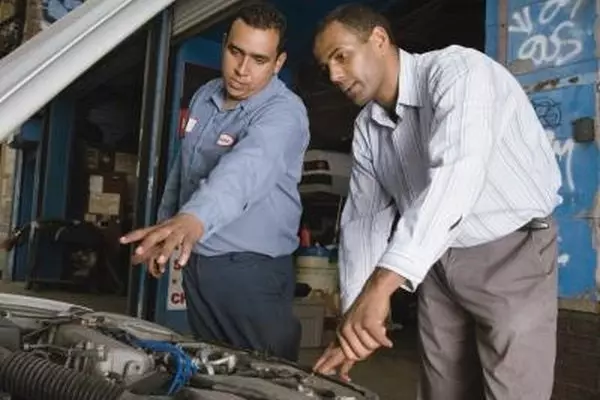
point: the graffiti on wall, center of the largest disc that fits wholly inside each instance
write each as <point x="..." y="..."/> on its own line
<point x="550" y="115"/>
<point x="548" y="33"/>
<point x="549" y="112"/>
<point x="554" y="40"/>
<point x="53" y="10"/>
<point x="563" y="149"/>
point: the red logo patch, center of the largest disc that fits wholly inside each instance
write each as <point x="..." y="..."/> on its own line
<point x="225" y="140"/>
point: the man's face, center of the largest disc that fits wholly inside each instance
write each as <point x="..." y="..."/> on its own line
<point x="354" y="64"/>
<point x="249" y="59"/>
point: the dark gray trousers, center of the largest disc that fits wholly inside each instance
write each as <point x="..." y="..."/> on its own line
<point x="244" y="300"/>
<point x="487" y="320"/>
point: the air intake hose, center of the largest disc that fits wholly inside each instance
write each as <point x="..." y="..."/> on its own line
<point x="26" y="376"/>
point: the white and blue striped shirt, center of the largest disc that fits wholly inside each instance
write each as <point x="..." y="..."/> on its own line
<point x="466" y="162"/>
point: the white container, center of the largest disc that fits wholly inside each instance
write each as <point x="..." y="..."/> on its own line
<point x="335" y="167"/>
<point x="314" y="269"/>
<point x="311" y="314"/>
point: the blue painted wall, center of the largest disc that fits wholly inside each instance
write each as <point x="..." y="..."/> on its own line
<point x="551" y="47"/>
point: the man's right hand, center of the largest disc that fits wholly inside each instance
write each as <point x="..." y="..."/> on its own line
<point x="334" y="362"/>
<point x="161" y="241"/>
<point x="155" y="269"/>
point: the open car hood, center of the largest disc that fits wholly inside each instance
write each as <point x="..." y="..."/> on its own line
<point x="117" y="357"/>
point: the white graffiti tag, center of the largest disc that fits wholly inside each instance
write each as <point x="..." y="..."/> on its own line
<point x="564" y="152"/>
<point x="560" y="45"/>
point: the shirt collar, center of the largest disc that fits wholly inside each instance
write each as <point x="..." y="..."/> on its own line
<point x="253" y="101"/>
<point x="408" y="90"/>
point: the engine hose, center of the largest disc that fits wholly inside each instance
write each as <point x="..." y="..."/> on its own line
<point x="29" y="377"/>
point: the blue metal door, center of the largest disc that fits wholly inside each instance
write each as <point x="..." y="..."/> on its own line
<point x="551" y="47"/>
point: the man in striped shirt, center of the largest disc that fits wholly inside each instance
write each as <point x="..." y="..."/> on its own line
<point x="449" y="141"/>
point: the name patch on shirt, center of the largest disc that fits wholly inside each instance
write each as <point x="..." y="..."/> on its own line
<point x="225" y="140"/>
<point x="190" y="125"/>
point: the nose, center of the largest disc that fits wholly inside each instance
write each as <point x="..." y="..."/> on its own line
<point x="336" y="74"/>
<point x="242" y="67"/>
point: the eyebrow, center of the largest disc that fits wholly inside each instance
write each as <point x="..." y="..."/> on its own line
<point x="256" y="56"/>
<point x="329" y="56"/>
<point x="332" y="53"/>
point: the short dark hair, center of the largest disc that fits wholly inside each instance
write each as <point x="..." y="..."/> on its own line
<point x="359" y="18"/>
<point x="264" y="16"/>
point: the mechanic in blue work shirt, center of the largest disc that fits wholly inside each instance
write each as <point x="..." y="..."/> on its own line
<point x="231" y="203"/>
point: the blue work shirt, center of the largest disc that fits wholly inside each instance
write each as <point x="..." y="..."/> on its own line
<point x="238" y="170"/>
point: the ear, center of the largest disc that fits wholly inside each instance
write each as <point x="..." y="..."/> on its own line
<point x="379" y="37"/>
<point x="280" y="61"/>
<point x="224" y="44"/>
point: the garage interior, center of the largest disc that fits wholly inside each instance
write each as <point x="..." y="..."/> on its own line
<point x="106" y="130"/>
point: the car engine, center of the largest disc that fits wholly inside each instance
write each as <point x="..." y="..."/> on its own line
<point x="57" y="351"/>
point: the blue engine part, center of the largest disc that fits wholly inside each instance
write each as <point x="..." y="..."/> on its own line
<point x="184" y="366"/>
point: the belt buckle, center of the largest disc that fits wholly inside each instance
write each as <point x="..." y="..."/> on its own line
<point x="538" y="224"/>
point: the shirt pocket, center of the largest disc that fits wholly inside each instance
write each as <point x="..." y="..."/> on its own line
<point x="214" y="147"/>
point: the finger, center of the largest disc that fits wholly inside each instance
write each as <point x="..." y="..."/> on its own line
<point x="352" y="344"/>
<point x="347" y="348"/>
<point x="378" y="332"/>
<point x="345" y="370"/>
<point x="326" y="354"/>
<point x="155" y="269"/>
<point x="157" y="236"/>
<point x="330" y="364"/>
<point x="169" y="246"/>
<point x="186" y="251"/>
<point x="145" y="256"/>
<point x="135" y="236"/>
<point x="368" y="343"/>
<point x="357" y="341"/>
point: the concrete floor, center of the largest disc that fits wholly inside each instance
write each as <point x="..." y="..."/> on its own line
<point x="390" y="373"/>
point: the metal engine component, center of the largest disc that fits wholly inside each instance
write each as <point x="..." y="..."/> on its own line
<point x="111" y="357"/>
<point x="135" y="327"/>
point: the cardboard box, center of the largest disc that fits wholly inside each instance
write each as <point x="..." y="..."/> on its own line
<point x="107" y="193"/>
<point x="104" y="203"/>
<point x="108" y="183"/>
<point x="110" y="161"/>
<point x="126" y="163"/>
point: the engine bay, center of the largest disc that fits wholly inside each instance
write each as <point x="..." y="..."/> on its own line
<point x="73" y="353"/>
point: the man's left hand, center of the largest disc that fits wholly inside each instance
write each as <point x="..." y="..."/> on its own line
<point x="160" y="241"/>
<point x="363" y="329"/>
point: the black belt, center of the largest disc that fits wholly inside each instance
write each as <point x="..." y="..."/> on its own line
<point x="536" y="224"/>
